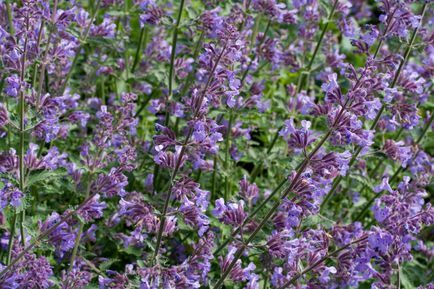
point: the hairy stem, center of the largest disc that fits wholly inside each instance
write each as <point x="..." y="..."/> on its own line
<point x="273" y="209"/>
<point x="318" y="45"/>
<point x="380" y="112"/>
<point x="397" y="172"/>
<point x="82" y="41"/>
<point x="35" y="241"/>
<point x="322" y="260"/>
<point x="137" y="57"/>
<point x="181" y="155"/>
<point x="258" y="167"/>
<point x="170" y="80"/>
<point x="80" y="229"/>
<point x="227" y="149"/>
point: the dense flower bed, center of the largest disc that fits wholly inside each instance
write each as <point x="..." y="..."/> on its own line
<point x="216" y="144"/>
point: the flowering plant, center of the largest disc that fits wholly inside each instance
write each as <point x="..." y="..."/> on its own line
<point x="216" y="144"/>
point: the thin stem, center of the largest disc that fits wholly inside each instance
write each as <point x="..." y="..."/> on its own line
<point x="21" y="113"/>
<point x="227" y="148"/>
<point x="171" y="76"/>
<point x="126" y="57"/>
<point x="181" y="155"/>
<point x="44" y="59"/>
<point x="380" y="112"/>
<point x="9" y="13"/>
<point x="319" y="262"/>
<point x="243" y="78"/>
<point x="44" y="234"/>
<point x="299" y="86"/>
<point x="173" y="53"/>
<point x="190" y="76"/>
<point x="137" y="57"/>
<point x="11" y="238"/>
<point x="318" y="45"/>
<point x="397" y="172"/>
<point x="82" y="40"/>
<point x="214" y="178"/>
<point x="80" y="229"/>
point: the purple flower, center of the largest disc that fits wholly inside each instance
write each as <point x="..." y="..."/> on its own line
<point x="297" y="138"/>
<point x="397" y="151"/>
<point x="93" y="209"/>
<point x="63" y="237"/>
<point x="10" y="195"/>
<point x="12" y="85"/>
<point x="232" y="214"/>
<point x="4" y="115"/>
<point x="384" y="186"/>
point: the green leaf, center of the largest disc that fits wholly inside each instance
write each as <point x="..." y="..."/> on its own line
<point x="318" y="220"/>
<point x="405" y="281"/>
<point x="44" y="176"/>
<point x="363" y="180"/>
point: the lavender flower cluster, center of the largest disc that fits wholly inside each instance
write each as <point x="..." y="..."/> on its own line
<point x="216" y="144"/>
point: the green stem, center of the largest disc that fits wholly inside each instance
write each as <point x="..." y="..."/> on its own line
<point x="9" y="13"/>
<point x="11" y="238"/>
<point x="246" y="72"/>
<point x="137" y="57"/>
<point x="270" y="212"/>
<point x="181" y="155"/>
<point x="21" y="113"/>
<point x="126" y="57"/>
<point x="214" y="178"/>
<point x="227" y="148"/>
<point x="190" y="76"/>
<point x="319" y="262"/>
<point x="80" y="229"/>
<point x="397" y="172"/>
<point x="318" y="45"/>
<point x="171" y="76"/>
<point x="380" y="112"/>
<point x="44" y="59"/>
<point x="173" y="53"/>
<point x="82" y="41"/>
<point x="35" y="241"/>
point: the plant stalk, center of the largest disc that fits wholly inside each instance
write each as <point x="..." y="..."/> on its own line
<point x="380" y="112"/>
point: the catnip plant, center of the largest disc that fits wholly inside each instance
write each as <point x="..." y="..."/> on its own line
<point x="216" y="144"/>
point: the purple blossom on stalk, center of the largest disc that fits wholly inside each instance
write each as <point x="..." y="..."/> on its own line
<point x="13" y="85"/>
<point x="77" y="278"/>
<point x="397" y="151"/>
<point x="93" y="209"/>
<point x="297" y="138"/>
<point x="4" y="116"/>
<point x="233" y="214"/>
<point x="30" y="272"/>
<point x="237" y="273"/>
<point x="63" y="237"/>
<point x="151" y="15"/>
<point x="248" y="191"/>
<point x="10" y="195"/>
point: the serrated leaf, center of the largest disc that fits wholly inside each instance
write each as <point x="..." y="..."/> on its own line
<point x="315" y="220"/>
<point x="43" y="176"/>
<point x="364" y="181"/>
<point x="106" y="264"/>
<point x="405" y="281"/>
